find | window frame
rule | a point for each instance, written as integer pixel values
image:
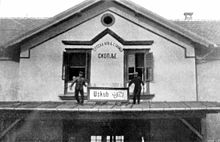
(128, 52)
(66, 65)
(107, 138)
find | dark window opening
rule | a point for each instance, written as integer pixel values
(139, 59)
(140, 71)
(140, 62)
(130, 69)
(74, 72)
(107, 139)
(96, 139)
(108, 20)
(74, 62)
(77, 59)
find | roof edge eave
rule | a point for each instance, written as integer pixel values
(168, 24)
(52, 21)
(134, 7)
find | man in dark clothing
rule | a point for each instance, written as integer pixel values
(137, 87)
(80, 82)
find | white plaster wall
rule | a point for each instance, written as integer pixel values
(131, 31)
(9, 81)
(209, 81)
(174, 75)
(41, 74)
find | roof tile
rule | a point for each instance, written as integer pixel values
(12, 28)
(207, 29)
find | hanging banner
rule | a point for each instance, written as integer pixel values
(107, 94)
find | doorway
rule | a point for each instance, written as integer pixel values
(130, 130)
(106, 131)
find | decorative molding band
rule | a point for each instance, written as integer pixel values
(110, 32)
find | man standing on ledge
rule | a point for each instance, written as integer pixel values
(80, 82)
(137, 87)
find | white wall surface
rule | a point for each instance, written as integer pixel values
(9, 85)
(174, 74)
(209, 81)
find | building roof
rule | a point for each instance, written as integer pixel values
(110, 106)
(12, 28)
(78, 9)
(207, 29)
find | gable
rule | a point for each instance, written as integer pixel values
(127, 32)
(127, 10)
(169, 58)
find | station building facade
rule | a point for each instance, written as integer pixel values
(109, 41)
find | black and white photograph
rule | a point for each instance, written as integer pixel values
(109, 71)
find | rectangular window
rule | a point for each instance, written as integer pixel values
(119, 138)
(140, 61)
(75, 61)
(96, 139)
(107, 139)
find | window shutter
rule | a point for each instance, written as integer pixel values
(65, 65)
(149, 67)
(88, 68)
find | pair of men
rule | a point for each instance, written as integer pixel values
(80, 82)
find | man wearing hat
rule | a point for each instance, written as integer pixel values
(80, 82)
(137, 87)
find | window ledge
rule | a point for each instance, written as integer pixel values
(72, 97)
(69, 97)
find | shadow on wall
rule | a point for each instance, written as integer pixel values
(23, 129)
(35, 129)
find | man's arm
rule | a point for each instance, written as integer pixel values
(132, 81)
(142, 82)
(85, 82)
(72, 84)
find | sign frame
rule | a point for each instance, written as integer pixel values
(107, 100)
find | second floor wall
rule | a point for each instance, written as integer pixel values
(171, 75)
(209, 79)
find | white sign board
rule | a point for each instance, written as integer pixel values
(108, 94)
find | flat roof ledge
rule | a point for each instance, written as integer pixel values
(146, 106)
